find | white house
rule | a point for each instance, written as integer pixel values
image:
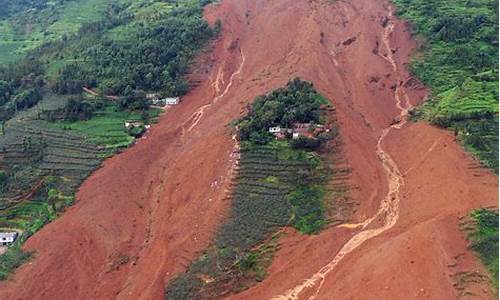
(172, 101)
(7, 238)
(276, 129)
(166, 101)
(133, 123)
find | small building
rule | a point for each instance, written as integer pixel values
(276, 129)
(8, 238)
(279, 132)
(133, 124)
(165, 101)
(151, 96)
(302, 129)
(305, 126)
(172, 101)
(280, 135)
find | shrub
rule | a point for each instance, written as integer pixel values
(305, 143)
(11, 260)
(484, 240)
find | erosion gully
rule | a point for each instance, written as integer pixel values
(389, 206)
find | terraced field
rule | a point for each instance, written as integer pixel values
(31, 148)
(44, 163)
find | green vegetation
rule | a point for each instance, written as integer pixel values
(277, 186)
(12, 259)
(25, 25)
(106, 127)
(129, 47)
(308, 209)
(153, 57)
(459, 62)
(484, 240)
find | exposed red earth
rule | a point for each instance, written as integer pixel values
(148, 212)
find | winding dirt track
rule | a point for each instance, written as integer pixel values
(149, 211)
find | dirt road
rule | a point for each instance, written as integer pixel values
(149, 211)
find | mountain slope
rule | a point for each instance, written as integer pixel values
(149, 211)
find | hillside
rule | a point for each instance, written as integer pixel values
(56, 130)
(458, 60)
(215, 202)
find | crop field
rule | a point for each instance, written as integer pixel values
(31, 150)
(264, 201)
(105, 128)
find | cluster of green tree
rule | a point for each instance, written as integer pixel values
(459, 61)
(298, 102)
(155, 58)
(75, 109)
(20, 87)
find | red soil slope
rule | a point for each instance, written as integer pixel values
(149, 211)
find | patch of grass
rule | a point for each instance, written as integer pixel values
(106, 127)
(308, 208)
(484, 240)
(76, 13)
(25, 214)
(11, 260)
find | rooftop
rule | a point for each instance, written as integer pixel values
(8, 235)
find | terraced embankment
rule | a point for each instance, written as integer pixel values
(148, 212)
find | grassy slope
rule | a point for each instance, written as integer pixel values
(459, 62)
(106, 127)
(484, 240)
(25, 31)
